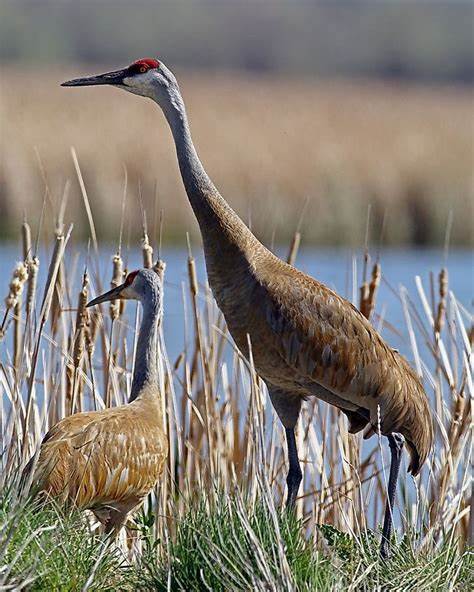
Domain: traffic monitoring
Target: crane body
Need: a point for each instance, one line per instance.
(306, 340)
(107, 461)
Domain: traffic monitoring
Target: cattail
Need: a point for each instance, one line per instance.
(74, 386)
(147, 252)
(54, 266)
(13, 300)
(193, 283)
(33, 267)
(368, 292)
(91, 331)
(26, 240)
(364, 299)
(81, 320)
(159, 268)
(374, 286)
(122, 301)
(443, 291)
(20, 275)
(56, 299)
(117, 279)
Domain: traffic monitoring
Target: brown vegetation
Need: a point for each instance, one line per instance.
(269, 144)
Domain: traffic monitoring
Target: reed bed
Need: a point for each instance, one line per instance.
(216, 521)
(269, 143)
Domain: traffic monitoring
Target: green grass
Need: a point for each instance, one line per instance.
(44, 548)
(226, 546)
(223, 545)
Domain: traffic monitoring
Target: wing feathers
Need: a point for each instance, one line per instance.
(323, 341)
(98, 458)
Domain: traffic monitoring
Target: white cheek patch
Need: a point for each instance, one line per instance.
(129, 293)
(140, 83)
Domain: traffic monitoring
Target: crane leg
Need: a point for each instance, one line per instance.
(295, 475)
(395, 441)
(288, 406)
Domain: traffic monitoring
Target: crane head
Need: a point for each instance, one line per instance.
(143, 285)
(144, 77)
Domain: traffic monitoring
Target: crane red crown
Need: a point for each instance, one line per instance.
(146, 63)
(130, 277)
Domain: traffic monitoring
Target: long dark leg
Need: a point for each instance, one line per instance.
(395, 441)
(295, 475)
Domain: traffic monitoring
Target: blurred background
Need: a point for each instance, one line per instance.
(337, 104)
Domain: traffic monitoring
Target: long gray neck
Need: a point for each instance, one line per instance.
(146, 360)
(217, 220)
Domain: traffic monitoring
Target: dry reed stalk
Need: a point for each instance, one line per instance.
(116, 309)
(194, 291)
(443, 291)
(17, 334)
(294, 247)
(75, 383)
(53, 270)
(85, 198)
(17, 316)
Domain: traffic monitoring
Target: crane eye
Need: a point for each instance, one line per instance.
(143, 69)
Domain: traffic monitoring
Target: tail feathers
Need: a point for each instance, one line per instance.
(418, 449)
(415, 460)
(412, 420)
(418, 432)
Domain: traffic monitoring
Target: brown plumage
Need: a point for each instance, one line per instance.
(306, 340)
(108, 461)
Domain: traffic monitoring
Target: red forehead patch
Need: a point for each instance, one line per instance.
(130, 277)
(147, 63)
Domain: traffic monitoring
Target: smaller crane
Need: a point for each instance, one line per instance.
(108, 461)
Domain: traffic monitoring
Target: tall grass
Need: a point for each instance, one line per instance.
(215, 520)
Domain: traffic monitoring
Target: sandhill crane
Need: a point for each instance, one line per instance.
(109, 460)
(306, 340)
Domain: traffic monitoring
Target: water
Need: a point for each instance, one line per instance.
(334, 267)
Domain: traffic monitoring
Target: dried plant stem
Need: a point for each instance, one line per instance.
(75, 382)
(368, 292)
(293, 251)
(58, 253)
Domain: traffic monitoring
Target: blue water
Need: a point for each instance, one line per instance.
(334, 267)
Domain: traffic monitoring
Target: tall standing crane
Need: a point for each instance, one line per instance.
(108, 461)
(306, 340)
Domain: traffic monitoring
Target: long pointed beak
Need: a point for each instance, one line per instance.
(115, 77)
(108, 296)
